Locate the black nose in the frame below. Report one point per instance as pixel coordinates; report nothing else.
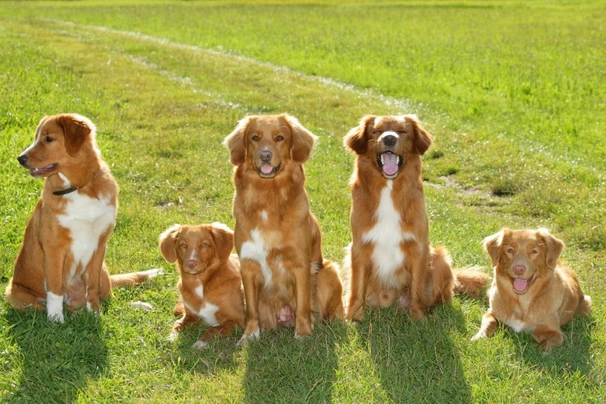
(390, 140)
(265, 155)
(22, 159)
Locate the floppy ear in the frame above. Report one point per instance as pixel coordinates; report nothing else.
(76, 129)
(235, 142)
(422, 137)
(224, 240)
(302, 139)
(492, 244)
(356, 139)
(553, 247)
(168, 243)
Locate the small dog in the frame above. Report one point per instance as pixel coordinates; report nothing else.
(390, 258)
(277, 237)
(210, 285)
(62, 255)
(532, 290)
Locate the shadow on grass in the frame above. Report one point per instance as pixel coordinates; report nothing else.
(57, 359)
(416, 361)
(282, 369)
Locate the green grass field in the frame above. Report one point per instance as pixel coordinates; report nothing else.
(512, 91)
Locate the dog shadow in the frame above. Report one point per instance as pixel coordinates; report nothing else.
(304, 371)
(416, 361)
(57, 360)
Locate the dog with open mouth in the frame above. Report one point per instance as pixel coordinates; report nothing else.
(287, 282)
(62, 256)
(390, 260)
(532, 291)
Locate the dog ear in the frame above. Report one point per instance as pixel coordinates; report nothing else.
(224, 240)
(235, 142)
(492, 244)
(553, 247)
(302, 139)
(76, 129)
(422, 137)
(168, 243)
(356, 139)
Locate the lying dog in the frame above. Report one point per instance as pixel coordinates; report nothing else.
(210, 285)
(62, 255)
(277, 238)
(390, 259)
(532, 290)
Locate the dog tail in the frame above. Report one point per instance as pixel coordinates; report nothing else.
(470, 281)
(134, 278)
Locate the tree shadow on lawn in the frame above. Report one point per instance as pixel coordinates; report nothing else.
(416, 361)
(58, 359)
(280, 368)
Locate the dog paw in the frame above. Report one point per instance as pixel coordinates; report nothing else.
(246, 338)
(173, 336)
(200, 345)
(478, 336)
(141, 306)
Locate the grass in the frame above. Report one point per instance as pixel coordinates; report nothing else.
(512, 92)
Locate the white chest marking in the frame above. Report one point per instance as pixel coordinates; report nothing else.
(386, 236)
(516, 325)
(255, 250)
(86, 219)
(207, 312)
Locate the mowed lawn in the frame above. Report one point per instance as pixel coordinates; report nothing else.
(512, 92)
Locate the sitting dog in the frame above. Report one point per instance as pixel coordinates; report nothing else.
(278, 239)
(210, 286)
(390, 259)
(532, 290)
(62, 255)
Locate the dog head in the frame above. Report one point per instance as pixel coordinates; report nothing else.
(388, 141)
(267, 143)
(197, 247)
(58, 141)
(523, 255)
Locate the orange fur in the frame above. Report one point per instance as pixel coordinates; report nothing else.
(276, 236)
(532, 290)
(391, 259)
(62, 255)
(209, 279)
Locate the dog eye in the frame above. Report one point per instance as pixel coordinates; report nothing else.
(510, 250)
(279, 138)
(203, 245)
(255, 138)
(48, 139)
(534, 252)
(376, 133)
(182, 245)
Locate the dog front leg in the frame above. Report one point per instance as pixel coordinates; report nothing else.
(53, 278)
(92, 277)
(223, 329)
(488, 327)
(358, 276)
(251, 280)
(548, 333)
(302, 276)
(418, 270)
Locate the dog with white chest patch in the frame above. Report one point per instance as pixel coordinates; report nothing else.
(62, 255)
(286, 280)
(209, 278)
(390, 258)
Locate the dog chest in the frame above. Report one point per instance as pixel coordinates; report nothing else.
(257, 249)
(86, 219)
(386, 236)
(206, 311)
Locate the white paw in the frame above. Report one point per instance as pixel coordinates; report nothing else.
(173, 336)
(248, 338)
(478, 336)
(54, 307)
(152, 273)
(141, 306)
(200, 345)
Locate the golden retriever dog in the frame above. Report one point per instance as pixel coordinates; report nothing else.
(210, 285)
(390, 259)
(532, 291)
(276, 236)
(62, 255)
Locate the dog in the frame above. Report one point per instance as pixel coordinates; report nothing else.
(390, 259)
(532, 291)
(210, 285)
(62, 255)
(277, 238)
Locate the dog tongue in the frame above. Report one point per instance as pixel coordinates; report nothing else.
(266, 169)
(520, 284)
(390, 163)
